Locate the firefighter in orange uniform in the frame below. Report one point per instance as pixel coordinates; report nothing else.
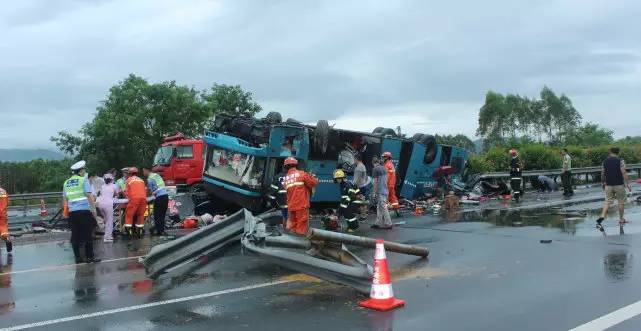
(391, 180)
(299, 186)
(4, 226)
(136, 192)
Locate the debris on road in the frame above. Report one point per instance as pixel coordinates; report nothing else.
(321, 253)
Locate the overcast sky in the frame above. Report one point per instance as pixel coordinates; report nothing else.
(423, 65)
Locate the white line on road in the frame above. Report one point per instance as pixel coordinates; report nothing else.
(611, 319)
(64, 266)
(146, 305)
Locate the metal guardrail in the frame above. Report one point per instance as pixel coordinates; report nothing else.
(34, 196)
(557, 172)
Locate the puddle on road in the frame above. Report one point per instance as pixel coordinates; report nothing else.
(568, 220)
(617, 265)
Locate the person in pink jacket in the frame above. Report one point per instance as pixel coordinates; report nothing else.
(108, 192)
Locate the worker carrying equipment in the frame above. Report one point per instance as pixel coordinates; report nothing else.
(136, 192)
(299, 185)
(516, 175)
(391, 180)
(4, 222)
(350, 202)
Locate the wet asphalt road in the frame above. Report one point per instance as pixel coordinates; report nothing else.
(480, 276)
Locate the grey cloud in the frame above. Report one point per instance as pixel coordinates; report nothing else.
(331, 59)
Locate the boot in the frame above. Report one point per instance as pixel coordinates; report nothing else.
(89, 253)
(76, 253)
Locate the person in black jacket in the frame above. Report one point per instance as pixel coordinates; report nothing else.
(516, 175)
(615, 181)
(277, 194)
(351, 200)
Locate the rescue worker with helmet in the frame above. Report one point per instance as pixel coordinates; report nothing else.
(277, 194)
(391, 180)
(82, 212)
(516, 175)
(136, 192)
(299, 185)
(350, 202)
(4, 221)
(156, 185)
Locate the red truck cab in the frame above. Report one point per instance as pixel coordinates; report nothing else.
(179, 161)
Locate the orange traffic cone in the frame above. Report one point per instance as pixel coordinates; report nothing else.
(381, 295)
(43, 208)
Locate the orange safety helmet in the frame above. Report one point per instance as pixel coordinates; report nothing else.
(290, 161)
(513, 152)
(387, 155)
(133, 170)
(190, 223)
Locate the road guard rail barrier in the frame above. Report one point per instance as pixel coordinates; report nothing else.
(557, 172)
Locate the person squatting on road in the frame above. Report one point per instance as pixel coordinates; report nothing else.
(566, 173)
(299, 185)
(136, 193)
(546, 184)
(108, 192)
(516, 175)
(4, 221)
(156, 185)
(379, 193)
(350, 202)
(76, 192)
(391, 180)
(615, 180)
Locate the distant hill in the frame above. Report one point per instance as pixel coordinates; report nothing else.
(23, 155)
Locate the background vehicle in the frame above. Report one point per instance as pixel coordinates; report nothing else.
(180, 161)
(244, 154)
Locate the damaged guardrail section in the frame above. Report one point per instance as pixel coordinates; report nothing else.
(209, 238)
(321, 253)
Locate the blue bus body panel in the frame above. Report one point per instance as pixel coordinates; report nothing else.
(231, 187)
(233, 143)
(418, 178)
(326, 190)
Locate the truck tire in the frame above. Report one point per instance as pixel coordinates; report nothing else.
(321, 136)
(273, 117)
(293, 121)
(429, 142)
(386, 132)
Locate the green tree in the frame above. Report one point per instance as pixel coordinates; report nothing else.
(459, 140)
(630, 140)
(230, 100)
(493, 119)
(558, 114)
(130, 124)
(590, 134)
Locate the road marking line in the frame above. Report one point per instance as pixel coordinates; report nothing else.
(143, 306)
(64, 266)
(611, 319)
